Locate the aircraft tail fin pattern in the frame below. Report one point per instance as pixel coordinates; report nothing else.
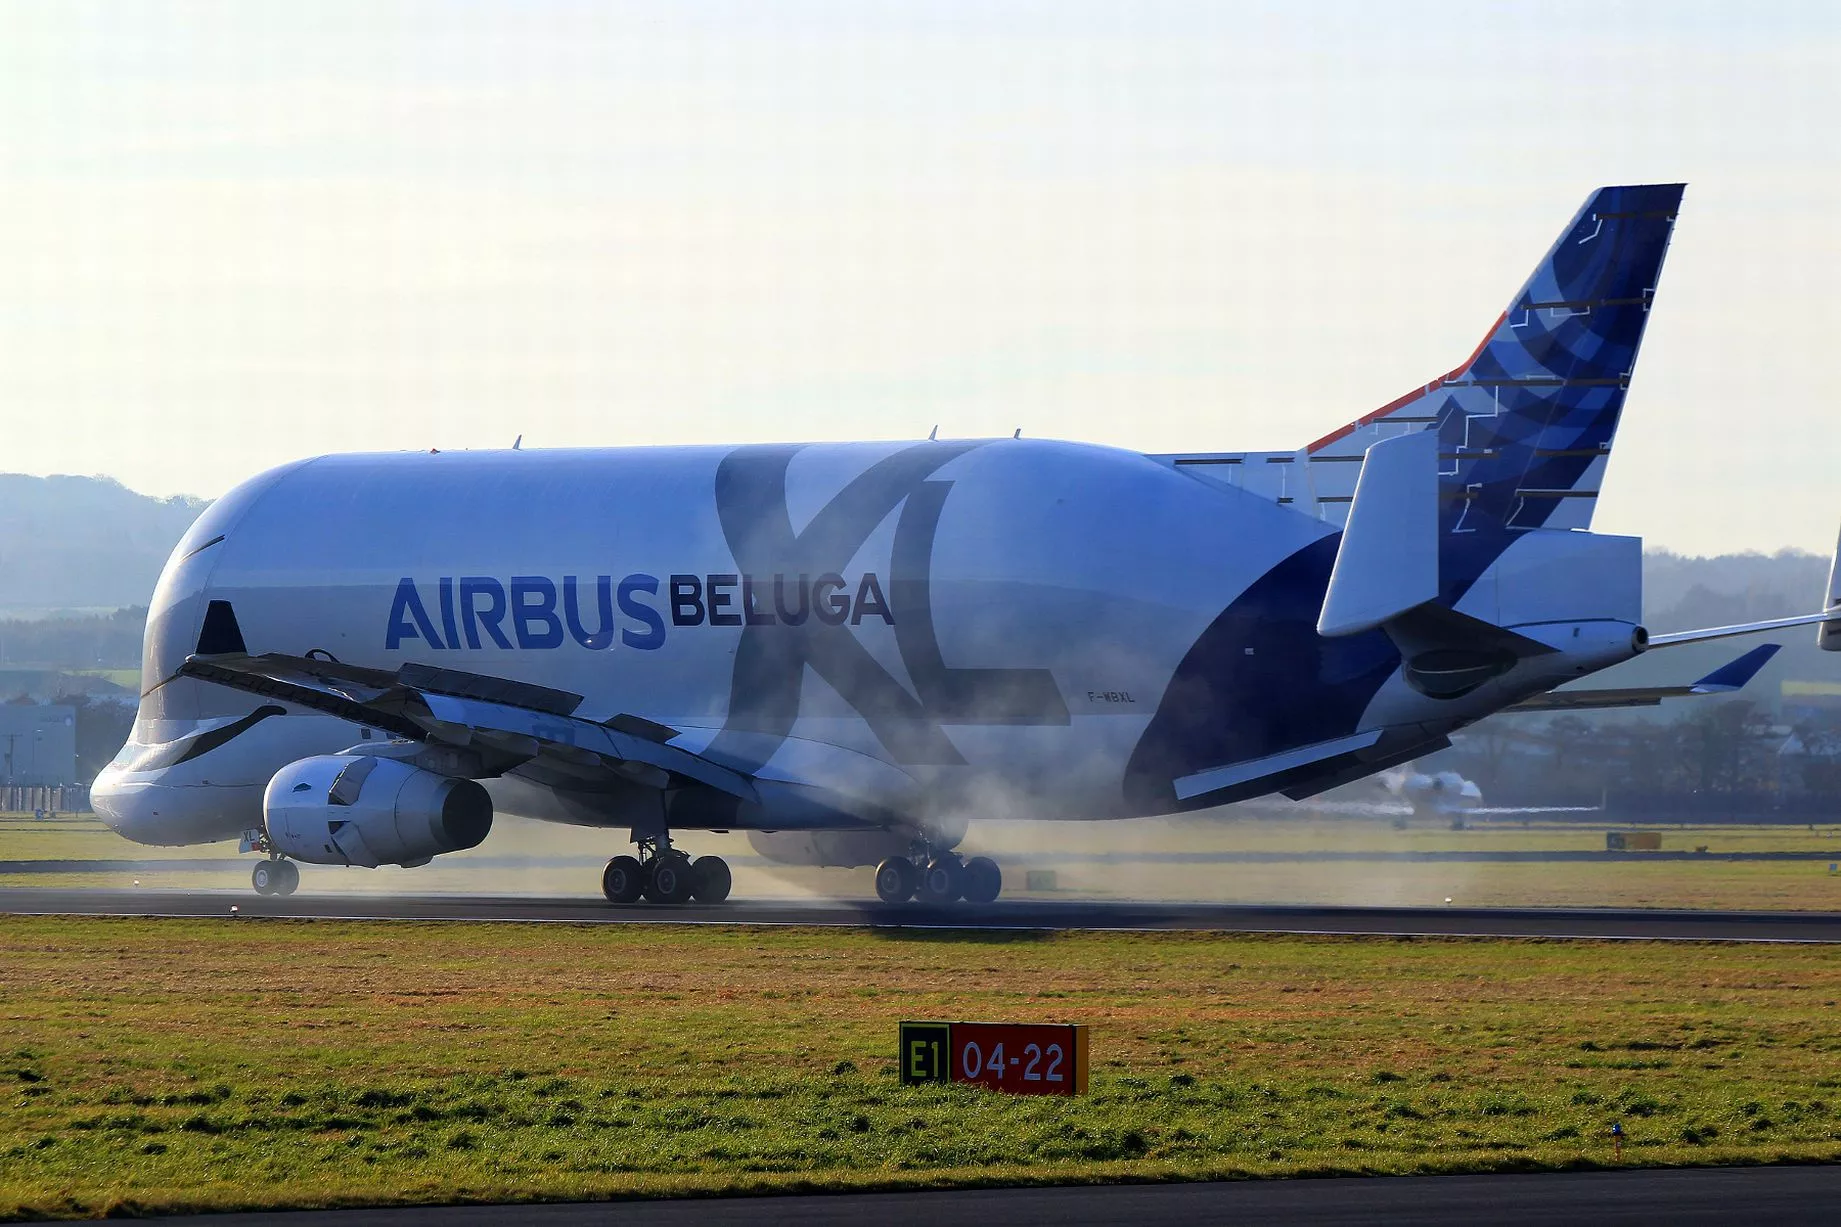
(1525, 424)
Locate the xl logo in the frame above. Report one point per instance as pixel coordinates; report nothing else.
(771, 660)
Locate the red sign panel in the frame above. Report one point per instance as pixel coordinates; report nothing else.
(1021, 1058)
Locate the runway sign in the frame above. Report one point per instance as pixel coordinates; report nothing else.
(1021, 1058)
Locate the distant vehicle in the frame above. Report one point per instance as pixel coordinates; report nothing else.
(850, 650)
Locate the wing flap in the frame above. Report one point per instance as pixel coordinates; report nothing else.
(517, 721)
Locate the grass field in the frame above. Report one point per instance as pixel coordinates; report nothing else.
(214, 1064)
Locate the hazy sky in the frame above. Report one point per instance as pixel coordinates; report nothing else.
(234, 233)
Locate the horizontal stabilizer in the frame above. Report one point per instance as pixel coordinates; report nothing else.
(1735, 674)
(1827, 617)
(1387, 562)
(1724, 680)
(1828, 622)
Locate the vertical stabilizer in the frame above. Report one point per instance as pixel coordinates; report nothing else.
(1525, 424)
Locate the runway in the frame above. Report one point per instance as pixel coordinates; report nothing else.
(1509, 856)
(1633, 924)
(1762, 1196)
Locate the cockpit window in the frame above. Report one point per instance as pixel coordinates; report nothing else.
(177, 608)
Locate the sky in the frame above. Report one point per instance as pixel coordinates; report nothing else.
(236, 233)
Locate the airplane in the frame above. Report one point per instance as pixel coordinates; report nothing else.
(1437, 794)
(851, 650)
(1443, 793)
(1449, 794)
(1396, 793)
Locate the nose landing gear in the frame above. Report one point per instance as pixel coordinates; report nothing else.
(275, 877)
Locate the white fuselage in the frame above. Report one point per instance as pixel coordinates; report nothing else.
(911, 632)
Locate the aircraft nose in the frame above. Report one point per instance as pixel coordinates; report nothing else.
(130, 810)
(156, 813)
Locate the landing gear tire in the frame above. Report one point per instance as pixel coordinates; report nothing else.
(671, 880)
(896, 879)
(288, 877)
(265, 877)
(943, 881)
(710, 879)
(981, 880)
(624, 880)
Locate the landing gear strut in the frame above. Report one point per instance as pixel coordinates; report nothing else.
(663, 874)
(939, 878)
(275, 877)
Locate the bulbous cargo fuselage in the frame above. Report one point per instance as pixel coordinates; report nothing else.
(989, 625)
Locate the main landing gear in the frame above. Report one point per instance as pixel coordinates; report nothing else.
(941, 878)
(662, 874)
(275, 877)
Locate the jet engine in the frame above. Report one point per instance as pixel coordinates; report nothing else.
(338, 809)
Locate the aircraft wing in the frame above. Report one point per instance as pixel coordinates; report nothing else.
(508, 725)
(1724, 680)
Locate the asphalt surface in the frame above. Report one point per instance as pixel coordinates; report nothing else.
(1512, 856)
(1766, 1196)
(1641, 924)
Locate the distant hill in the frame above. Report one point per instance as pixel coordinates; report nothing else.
(83, 543)
(1680, 592)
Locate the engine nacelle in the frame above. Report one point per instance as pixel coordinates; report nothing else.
(339, 809)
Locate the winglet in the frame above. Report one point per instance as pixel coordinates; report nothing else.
(1734, 674)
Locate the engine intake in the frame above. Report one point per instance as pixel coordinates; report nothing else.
(338, 809)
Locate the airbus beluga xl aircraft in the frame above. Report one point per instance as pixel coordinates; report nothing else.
(848, 650)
